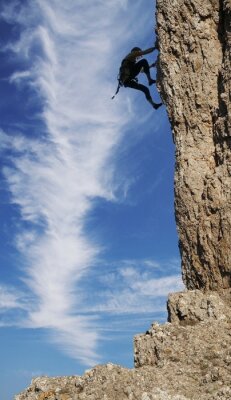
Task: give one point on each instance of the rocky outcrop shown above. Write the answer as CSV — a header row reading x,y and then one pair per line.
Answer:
x,y
195,344
189,357
194,80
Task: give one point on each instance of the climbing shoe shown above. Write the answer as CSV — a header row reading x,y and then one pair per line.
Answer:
x,y
153,65
156,106
151,81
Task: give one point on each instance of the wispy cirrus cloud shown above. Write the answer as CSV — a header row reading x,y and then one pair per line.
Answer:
x,y
9,299
130,287
53,178
13,305
54,173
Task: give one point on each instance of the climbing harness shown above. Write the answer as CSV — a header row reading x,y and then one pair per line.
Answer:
x,y
124,74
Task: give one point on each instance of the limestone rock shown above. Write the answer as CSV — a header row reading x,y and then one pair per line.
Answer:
x,y
105,382
194,80
197,341
188,358
190,307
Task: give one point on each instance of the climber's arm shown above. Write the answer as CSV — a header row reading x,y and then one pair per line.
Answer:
x,y
150,50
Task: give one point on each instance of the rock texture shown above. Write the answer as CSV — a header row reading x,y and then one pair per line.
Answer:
x,y
194,80
189,357
197,341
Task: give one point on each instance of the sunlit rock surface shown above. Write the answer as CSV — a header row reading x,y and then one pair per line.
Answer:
x,y
194,80
188,358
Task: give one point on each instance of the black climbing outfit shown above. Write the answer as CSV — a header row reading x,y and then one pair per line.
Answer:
x,y
135,69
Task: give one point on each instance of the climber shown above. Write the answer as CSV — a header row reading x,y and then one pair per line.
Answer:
x,y
129,70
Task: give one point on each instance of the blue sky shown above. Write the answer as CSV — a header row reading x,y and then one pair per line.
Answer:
x,y
88,248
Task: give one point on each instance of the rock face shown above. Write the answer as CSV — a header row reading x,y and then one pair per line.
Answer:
x,y
197,341
194,80
189,357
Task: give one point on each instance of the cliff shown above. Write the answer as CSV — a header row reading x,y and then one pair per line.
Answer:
x,y
189,357
194,80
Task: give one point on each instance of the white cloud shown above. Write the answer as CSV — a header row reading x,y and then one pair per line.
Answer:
x,y
9,299
19,76
158,287
54,179
135,286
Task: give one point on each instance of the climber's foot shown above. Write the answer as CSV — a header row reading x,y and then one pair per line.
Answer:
x,y
151,81
156,106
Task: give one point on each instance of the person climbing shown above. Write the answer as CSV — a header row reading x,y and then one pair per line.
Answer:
x,y
130,69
